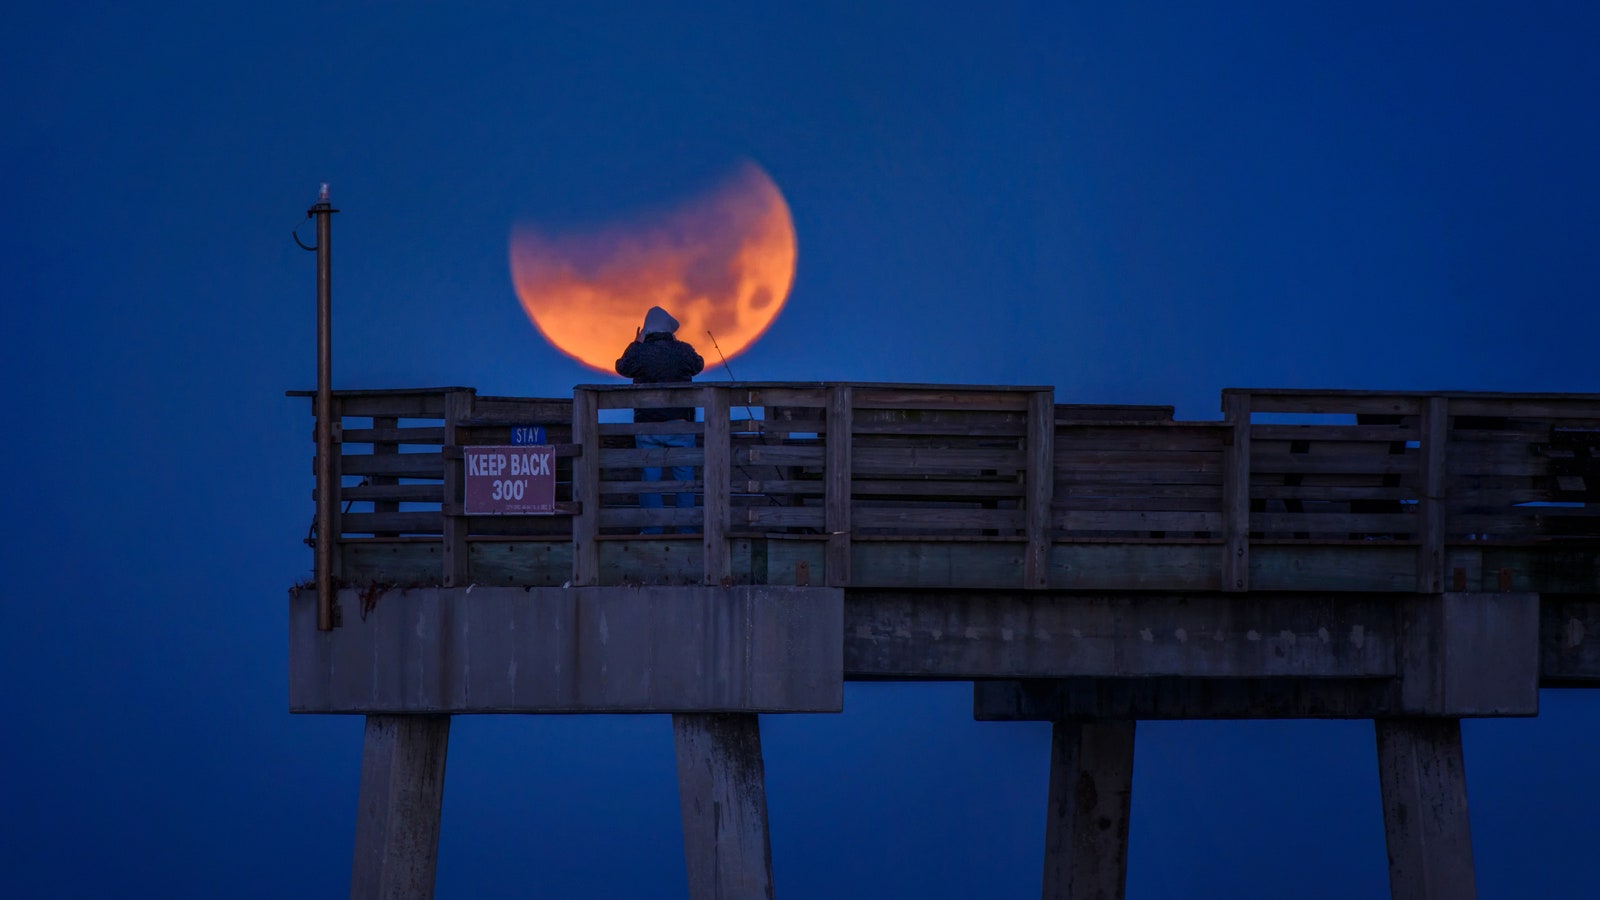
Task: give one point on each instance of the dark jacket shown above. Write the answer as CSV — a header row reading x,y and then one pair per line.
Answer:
x,y
660,358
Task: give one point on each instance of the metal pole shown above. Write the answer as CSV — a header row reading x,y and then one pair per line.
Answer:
x,y
327,490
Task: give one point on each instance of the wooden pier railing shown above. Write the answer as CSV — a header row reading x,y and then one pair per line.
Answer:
x,y
979,486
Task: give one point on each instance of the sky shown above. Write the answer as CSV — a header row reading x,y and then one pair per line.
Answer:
x,y
1134,202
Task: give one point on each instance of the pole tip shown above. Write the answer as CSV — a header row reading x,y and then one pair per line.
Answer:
x,y
322,193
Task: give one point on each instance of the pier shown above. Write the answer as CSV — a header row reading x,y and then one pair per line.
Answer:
x,y
1409,558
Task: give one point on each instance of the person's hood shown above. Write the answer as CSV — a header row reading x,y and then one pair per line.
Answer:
x,y
658,321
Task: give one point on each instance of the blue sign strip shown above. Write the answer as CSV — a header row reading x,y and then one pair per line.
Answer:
x,y
527,435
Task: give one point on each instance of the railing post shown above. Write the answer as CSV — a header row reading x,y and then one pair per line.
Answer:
x,y
457,559
586,487
1040,487
329,521
836,486
1433,434
1236,493
716,474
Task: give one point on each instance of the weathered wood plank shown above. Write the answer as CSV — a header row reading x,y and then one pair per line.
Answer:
x,y
457,408
808,455
1431,509
1125,520
403,465
910,519
1040,484
1236,466
716,477
586,488
838,476
413,493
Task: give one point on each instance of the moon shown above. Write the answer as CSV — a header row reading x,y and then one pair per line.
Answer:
x,y
721,262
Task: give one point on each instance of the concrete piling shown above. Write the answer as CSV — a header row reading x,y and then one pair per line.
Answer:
x,y
1425,823
1086,819
397,818
722,794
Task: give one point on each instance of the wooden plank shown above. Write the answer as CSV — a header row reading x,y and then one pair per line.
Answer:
x,y
1123,520
808,455
911,519
412,493
1211,504
399,405
1040,484
382,448
634,518
1362,566
509,411
653,396
1236,493
943,397
1341,523
908,460
1344,493
1334,433
814,397
1574,406
403,465
1128,566
838,475
392,434
952,487
655,456
1325,402
716,476
1431,508
457,407
1355,464
586,488
780,517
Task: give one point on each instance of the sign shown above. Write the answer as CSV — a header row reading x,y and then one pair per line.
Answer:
x,y
527,435
519,480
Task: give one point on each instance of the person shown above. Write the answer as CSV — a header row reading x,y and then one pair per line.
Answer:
x,y
657,356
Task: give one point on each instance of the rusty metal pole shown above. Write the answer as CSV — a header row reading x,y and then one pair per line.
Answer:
x,y
327,491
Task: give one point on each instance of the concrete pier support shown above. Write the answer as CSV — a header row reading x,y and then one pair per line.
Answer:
x,y
397,818
1086,822
722,792
1424,783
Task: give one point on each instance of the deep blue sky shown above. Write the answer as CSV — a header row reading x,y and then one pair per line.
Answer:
x,y
1139,203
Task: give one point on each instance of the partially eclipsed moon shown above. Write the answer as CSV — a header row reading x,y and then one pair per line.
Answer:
x,y
722,262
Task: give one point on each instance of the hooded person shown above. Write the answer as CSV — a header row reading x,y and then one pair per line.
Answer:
x,y
656,356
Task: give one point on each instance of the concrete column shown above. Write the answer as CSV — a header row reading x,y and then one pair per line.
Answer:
x,y
397,818
722,792
1425,823
1086,822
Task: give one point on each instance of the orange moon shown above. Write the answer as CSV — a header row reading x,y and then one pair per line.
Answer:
x,y
722,262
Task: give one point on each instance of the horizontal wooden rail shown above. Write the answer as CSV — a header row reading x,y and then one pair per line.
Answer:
x,y
854,468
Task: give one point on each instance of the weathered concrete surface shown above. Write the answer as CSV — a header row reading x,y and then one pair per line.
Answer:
x,y
589,649
1086,818
1458,655
1470,654
722,795
397,813
1425,823
1000,634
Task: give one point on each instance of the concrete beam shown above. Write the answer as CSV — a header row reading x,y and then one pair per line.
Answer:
x,y
1425,822
1114,699
595,649
1086,818
722,795
999,634
397,813
1470,654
